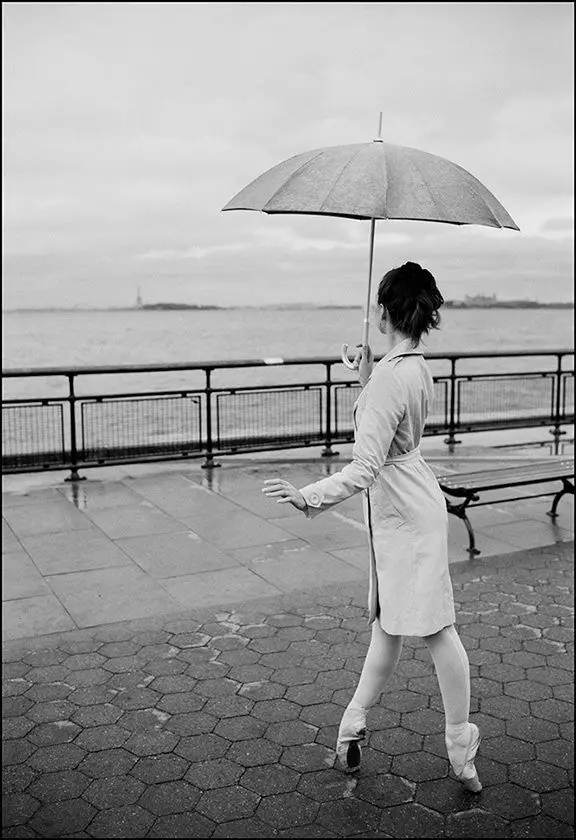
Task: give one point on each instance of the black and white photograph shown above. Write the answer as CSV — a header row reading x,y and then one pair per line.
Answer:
x,y
288,420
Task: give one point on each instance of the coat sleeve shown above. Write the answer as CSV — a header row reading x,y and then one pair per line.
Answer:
x,y
385,406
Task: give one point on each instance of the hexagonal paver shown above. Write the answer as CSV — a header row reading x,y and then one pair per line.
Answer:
x,y
16,751
160,768
424,721
218,773
384,790
559,804
114,792
507,750
15,727
539,776
291,732
136,698
270,779
193,723
442,795
49,691
510,801
55,787
396,741
175,704
183,825
90,696
560,753
58,732
228,803
262,690
98,715
17,810
58,757
241,728
251,753
307,757
419,767
51,711
276,710
16,778
349,816
107,763
287,810
84,661
553,710
476,823
151,742
102,738
173,684
507,708
202,747
126,821
531,729
170,797
224,707
216,687
61,818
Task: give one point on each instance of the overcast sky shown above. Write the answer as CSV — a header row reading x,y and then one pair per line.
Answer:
x,y
128,126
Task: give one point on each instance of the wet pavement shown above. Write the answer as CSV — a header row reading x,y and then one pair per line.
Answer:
x,y
178,653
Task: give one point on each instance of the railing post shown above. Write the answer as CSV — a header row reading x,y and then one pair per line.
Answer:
x,y
451,439
328,451
557,432
74,476
209,461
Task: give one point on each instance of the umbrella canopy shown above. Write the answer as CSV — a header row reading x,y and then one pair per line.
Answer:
x,y
374,180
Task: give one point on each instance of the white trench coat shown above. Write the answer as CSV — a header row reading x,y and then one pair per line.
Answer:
x,y
410,591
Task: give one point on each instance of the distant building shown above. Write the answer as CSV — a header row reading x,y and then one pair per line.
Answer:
x,y
480,300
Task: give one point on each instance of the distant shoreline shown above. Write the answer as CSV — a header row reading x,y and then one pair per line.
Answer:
x,y
450,304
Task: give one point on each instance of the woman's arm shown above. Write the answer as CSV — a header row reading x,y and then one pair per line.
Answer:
x,y
383,411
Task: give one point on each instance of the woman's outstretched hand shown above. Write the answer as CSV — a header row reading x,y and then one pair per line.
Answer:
x,y
285,492
364,362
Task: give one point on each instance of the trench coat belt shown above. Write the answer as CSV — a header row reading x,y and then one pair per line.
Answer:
x,y
413,455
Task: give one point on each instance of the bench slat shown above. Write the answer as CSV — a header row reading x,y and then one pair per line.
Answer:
x,y
509,476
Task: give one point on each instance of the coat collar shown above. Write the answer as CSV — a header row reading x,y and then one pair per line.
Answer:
x,y
403,348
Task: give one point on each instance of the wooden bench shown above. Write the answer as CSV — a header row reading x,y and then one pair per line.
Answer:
x,y
468,486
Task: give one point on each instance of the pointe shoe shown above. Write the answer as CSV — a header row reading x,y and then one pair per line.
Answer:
x,y
352,731
461,753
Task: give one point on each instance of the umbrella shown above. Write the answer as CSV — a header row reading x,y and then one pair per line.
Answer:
x,y
373,181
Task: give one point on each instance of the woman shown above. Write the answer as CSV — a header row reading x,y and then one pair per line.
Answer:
x,y
410,591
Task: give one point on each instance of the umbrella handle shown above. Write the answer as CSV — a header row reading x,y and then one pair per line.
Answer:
x,y
346,361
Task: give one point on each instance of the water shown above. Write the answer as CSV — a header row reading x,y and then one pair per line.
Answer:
x,y
79,339
84,339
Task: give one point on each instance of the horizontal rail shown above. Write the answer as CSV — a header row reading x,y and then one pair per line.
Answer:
x,y
272,362
82,430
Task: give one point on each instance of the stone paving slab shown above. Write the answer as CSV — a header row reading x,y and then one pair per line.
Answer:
x,y
96,551
221,722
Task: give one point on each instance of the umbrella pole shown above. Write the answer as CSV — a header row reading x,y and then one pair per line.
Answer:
x,y
369,296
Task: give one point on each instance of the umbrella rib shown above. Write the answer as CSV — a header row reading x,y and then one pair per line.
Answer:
x,y
471,186
344,168
293,175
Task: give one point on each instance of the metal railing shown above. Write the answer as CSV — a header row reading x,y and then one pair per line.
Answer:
x,y
79,431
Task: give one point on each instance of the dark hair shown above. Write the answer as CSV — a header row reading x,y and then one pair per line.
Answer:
x,y
411,299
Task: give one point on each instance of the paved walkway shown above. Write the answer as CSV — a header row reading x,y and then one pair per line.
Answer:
x,y
175,665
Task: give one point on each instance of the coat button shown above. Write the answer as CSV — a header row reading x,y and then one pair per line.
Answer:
x,y
314,499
